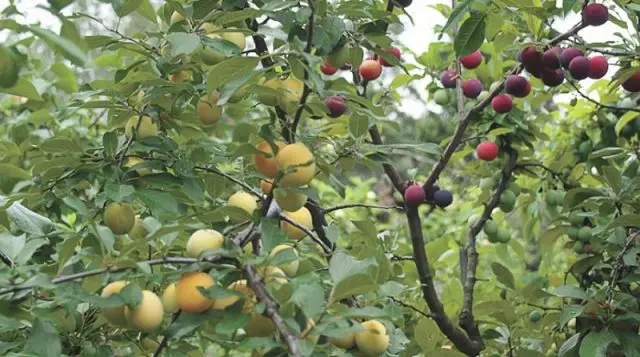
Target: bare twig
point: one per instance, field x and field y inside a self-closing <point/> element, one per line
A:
<point x="402" y="303"/>
<point x="246" y="186"/>
<point x="469" y="264"/>
<point x="619" y="264"/>
<point x="315" y="238"/>
<point x="7" y="260"/>
<point x="165" y="340"/>
<point x="271" y="309"/>
<point x="610" y="107"/>
<point x="365" y="205"/>
<point x="306" y="90"/>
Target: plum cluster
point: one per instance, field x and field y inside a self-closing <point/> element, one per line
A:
<point x="415" y="195"/>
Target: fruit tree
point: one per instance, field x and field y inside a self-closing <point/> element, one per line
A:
<point x="280" y="177"/>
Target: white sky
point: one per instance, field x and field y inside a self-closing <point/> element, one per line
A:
<point x="416" y="36"/>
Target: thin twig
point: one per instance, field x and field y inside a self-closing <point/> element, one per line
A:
<point x="6" y="259"/>
<point x="315" y="238"/>
<point x="271" y="309"/>
<point x="610" y="107"/>
<point x="365" y="205"/>
<point x="246" y="186"/>
<point x="400" y="302"/>
<point x="165" y="340"/>
<point x="619" y="264"/>
<point x="306" y="90"/>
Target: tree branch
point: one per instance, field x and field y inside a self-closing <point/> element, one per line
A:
<point x="324" y="247"/>
<point x="271" y="310"/>
<point x="306" y="91"/>
<point x="404" y="304"/>
<point x="610" y="107"/>
<point x="469" y="266"/>
<point x="165" y="340"/>
<point x="246" y="186"/>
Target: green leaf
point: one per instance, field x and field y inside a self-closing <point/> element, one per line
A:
<point x="183" y="43"/>
<point x="456" y="14"/>
<point x="358" y="125"/>
<point x="12" y="171"/>
<point x="272" y="235"/>
<point x="131" y="294"/>
<point x="63" y="45"/>
<point x="606" y="153"/>
<point x="309" y="297"/>
<point x="117" y="192"/>
<point x="27" y="220"/>
<point x="595" y="344"/>
<point x="351" y="276"/>
<point x="624" y="120"/>
<point x="44" y="340"/>
<point x="568" y="291"/>
<point x="229" y="17"/>
<point x="569" y="312"/>
<point x="578" y="195"/>
<point x="569" y="345"/>
<point x="567" y="6"/>
<point x="8" y="324"/>
<point x="125" y="7"/>
<point x="23" y="88"/>
<point x="159" y="202"/>
<point x="471" y="35"/>
<point x="627" y="220"/>
<point x="59" y="4"/>
<point x="367" y="312"/>
<point x="503" y="274"/>
<point x="327" y="33"/>
<point x="228" y="70"/>
<point x="60" y="145"/>
<point x="147" y="11"/>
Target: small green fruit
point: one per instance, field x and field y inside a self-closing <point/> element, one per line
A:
<point x="487" y="183"/>
<point x="504" y="236"/>
<point x="9" y="68"/>
<point x="507" y="201"/>
<point x="119" y="217"/>
<point x="441" y="97"/>
<point x="535" y="316"/>
<point x="576" y="219"/>
<point x="490" y="228"/>
<point x="585" y="234"/>
<point x="559" y="197"/>
<point x="578" y="247"/>
<point x="572" y="232"/>
<point x="550" y="198"/>
<point x="585" y="148"/>
<point x="512" y="186"/>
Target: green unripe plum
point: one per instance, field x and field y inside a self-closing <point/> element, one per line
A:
<point x="512" y="186"/>
<point x="559" y="197"/>
<point x="550" y="198"/>
<point x="441" y="97"/>
<point x="627" y="131"/>
<point x="119" y="217"/>
<point x="578" y="247"/>
<point x="576" y="219"/>
<point x="487" y="183"/>
<point x="504" y="236"/>
<point x="572" y="232"/>
<point x="585" y="148"/>
<point x="9" y="68"/>
<point x="490" y="228"/>
<point x="535" y="316"/>
<point x="585" y="234"/>
<point x="507" y="201"/>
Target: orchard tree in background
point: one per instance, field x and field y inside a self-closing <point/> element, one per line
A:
<point x="232" y="177"/>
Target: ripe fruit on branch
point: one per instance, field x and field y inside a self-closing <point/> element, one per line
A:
<point x="471" y="88"/>
<point x="327" y="68"/>
<point x="176" y="17"/>
<point x="530" y="56"/>
<point x="241" y="287"/>
<point x="266" y="163"/>
<point x="448" y="78"/>
<point x="336" y="106"/>
<point x="180" y="76"/>
<point x="442" y="198"/>
<point x="579" y="67"/>
<point x="502" y="103"/>
<point x="203" y="239"/>
<point x="345" y="342"/>
<point x="395" y="52"/>
<point x="266" y="186"/>
<point x="374" y="340"/>
<point x="272" y="275"/>
<point x="551" y="58"/>
<point x="487" y="150"/>
<point x="292" y="89"/>
<point x="595" y="14"/>
<point x="260" y="326"/>
<point x="552" y="77"/>
<point x="146" y="128"/>
<point x="297" y="163"/>
<point x="208" y="111"/>
<point x="441" y="97"/>
<point x="370" y="70"/>
<point x="243" y="200"/>
<point x="414" y="195"/>
<point x="302" y="217"/>
<point x="115" y="315"/>
<point x="290" y="268"/>
<point x="598" y="67"/>
<point x="569" y="54"/>
<point x="147" y="316"/>
<point x="517" y="86"/>
<point x="189" y="297"/>
<point x="632" y="84"/>
<point x="169" y="299"/>
<point x="133" y="161"/>
<point x="119" y="217"/>
<point x="472" y="60"/>
<point x="289" y="199"/>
